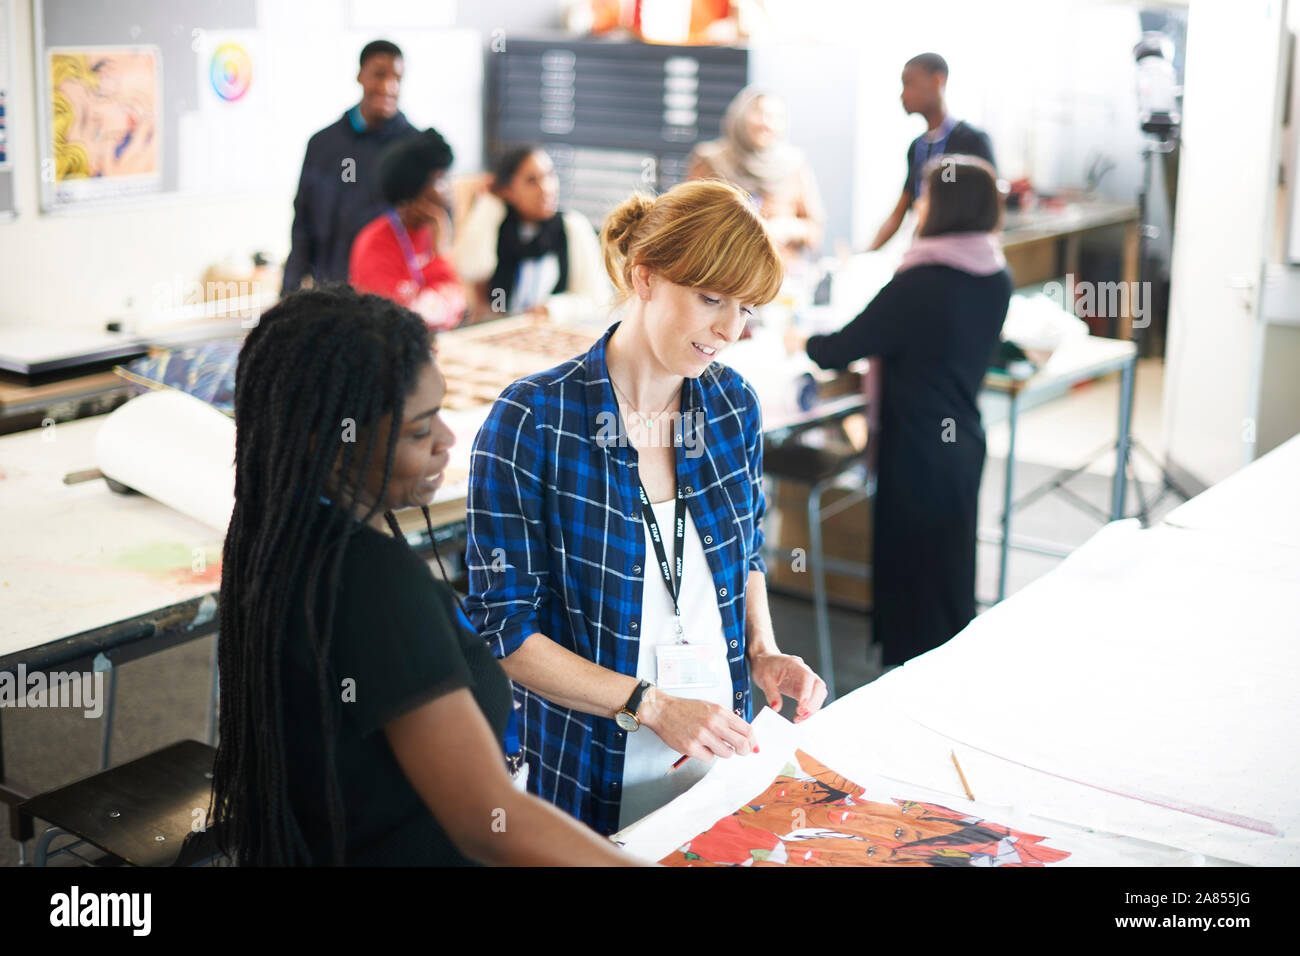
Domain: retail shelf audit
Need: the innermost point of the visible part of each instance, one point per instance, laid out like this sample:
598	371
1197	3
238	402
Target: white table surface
1261	502
1145	689
77	557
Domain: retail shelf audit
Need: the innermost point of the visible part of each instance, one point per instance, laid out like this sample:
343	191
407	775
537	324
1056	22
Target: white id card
520	777
684	665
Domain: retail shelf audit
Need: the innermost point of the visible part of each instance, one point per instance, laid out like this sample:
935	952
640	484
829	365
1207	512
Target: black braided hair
316	361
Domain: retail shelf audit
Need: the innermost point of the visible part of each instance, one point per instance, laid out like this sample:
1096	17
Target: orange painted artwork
812	816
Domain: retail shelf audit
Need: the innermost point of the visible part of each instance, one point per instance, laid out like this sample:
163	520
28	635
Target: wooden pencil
965	785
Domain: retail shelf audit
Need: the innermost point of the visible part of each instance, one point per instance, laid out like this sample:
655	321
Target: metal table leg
106	732
819	589
1122	439
1008	487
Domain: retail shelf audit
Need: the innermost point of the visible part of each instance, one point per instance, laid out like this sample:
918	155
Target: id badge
520	777
684	665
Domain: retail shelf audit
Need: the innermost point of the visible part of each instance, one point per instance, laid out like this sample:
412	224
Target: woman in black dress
362	721
932	330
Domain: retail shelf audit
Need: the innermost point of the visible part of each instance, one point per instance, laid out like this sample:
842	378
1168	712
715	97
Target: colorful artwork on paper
812	816
105	112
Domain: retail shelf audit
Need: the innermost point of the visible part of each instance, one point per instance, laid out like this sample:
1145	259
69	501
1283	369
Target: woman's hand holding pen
778	674
696	728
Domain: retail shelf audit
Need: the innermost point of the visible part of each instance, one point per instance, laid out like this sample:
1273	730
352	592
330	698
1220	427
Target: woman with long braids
361	723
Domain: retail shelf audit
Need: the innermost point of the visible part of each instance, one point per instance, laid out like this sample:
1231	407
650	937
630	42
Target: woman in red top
405	254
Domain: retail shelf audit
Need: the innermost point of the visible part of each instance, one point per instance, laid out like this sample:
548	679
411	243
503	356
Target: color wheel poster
220	140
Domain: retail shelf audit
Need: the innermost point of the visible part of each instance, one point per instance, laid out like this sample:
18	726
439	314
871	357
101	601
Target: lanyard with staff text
673	581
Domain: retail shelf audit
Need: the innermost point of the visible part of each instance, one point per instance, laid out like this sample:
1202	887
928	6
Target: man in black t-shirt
925	78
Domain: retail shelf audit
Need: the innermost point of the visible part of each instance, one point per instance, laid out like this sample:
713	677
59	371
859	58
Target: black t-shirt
398	640
963	139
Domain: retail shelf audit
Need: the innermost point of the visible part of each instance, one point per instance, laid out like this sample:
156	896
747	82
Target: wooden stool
138	813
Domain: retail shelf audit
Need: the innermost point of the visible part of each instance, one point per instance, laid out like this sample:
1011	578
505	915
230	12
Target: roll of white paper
177	450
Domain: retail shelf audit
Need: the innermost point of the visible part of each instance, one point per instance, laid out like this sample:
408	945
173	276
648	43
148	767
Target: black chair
820	467
136	814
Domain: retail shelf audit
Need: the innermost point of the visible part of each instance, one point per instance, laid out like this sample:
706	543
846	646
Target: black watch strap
634	702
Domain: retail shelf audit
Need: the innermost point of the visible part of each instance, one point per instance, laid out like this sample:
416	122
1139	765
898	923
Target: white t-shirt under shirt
536	277
475	251
647	785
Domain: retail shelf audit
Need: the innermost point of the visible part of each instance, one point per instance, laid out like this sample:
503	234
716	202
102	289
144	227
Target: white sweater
475	250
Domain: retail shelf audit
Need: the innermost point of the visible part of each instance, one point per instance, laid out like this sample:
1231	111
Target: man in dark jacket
338	192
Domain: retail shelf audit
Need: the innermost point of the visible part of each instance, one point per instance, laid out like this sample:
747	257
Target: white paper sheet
1159	666
80	556
175	449
1262	501
868	732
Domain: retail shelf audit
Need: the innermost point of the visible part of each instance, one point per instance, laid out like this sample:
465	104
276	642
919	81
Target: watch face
626	721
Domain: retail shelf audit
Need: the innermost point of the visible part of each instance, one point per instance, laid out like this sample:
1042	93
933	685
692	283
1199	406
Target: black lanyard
673	581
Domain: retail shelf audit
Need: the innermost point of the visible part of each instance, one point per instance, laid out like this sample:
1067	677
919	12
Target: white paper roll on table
177	450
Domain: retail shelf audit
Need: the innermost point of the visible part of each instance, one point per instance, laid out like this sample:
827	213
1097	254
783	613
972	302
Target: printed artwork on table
812	816
551	340
480	362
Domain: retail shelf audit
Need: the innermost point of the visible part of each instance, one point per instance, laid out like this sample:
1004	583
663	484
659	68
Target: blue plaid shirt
557	547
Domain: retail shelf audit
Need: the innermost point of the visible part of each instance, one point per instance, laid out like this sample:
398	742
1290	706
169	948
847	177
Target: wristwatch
626	718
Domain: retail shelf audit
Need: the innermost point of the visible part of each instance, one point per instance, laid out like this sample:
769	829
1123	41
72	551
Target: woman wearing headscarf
754	154
930	334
